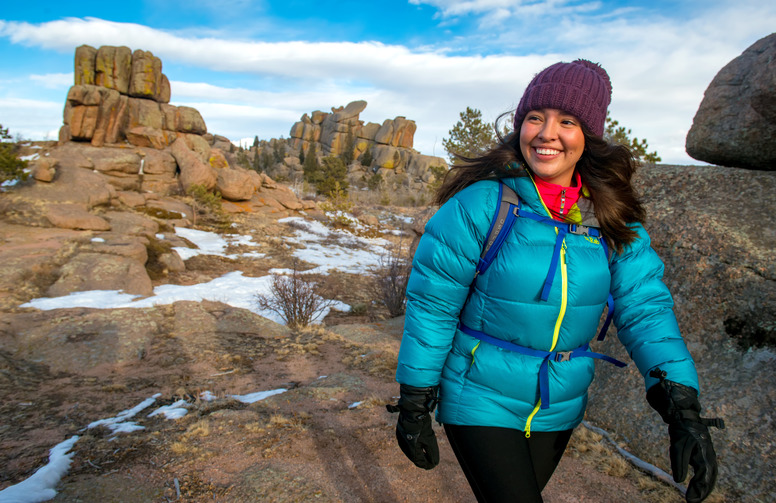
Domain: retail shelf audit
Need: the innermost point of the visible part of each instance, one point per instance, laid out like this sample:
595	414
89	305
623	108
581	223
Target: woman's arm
644	314
443	268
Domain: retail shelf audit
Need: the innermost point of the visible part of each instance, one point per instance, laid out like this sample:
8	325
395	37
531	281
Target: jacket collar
522	182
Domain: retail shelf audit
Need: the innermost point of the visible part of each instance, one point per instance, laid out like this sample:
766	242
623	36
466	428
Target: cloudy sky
253	67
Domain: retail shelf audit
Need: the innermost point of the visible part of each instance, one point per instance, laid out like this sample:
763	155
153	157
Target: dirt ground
328	438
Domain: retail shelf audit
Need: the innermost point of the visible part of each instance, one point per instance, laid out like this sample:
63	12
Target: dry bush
390	279
293	299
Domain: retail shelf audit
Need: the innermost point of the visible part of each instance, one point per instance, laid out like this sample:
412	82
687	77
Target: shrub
375	181
390	279
366	157
293	299
11	167
207	204
332	177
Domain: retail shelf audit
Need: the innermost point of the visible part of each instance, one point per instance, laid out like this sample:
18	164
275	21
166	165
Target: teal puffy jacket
482	384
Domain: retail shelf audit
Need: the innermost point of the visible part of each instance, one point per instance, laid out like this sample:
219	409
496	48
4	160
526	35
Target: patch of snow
258	396
98	240
173	411
119	423
40	485
354	405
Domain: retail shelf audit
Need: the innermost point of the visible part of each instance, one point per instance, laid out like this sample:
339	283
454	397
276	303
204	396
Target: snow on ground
40	485
326	248
335	249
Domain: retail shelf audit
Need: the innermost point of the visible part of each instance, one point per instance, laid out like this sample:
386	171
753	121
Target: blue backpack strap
546	356
500	226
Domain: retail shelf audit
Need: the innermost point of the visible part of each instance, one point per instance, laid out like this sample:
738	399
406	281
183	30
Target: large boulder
98	271
736	122
72	183
719	249
193	170
235	184
75	216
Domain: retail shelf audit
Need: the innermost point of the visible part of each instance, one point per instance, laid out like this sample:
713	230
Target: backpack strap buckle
562	356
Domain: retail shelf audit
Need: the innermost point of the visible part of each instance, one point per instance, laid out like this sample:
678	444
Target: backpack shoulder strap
500	225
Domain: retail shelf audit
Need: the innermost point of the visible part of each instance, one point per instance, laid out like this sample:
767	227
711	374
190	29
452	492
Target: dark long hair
606	169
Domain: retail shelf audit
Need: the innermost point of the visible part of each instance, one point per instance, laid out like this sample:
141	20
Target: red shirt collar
557	198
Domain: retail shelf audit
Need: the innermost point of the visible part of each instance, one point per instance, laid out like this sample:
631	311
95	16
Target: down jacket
482	384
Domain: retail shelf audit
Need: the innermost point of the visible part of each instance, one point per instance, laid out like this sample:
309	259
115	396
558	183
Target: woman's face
552	142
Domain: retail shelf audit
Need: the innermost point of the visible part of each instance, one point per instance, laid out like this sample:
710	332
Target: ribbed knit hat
580	88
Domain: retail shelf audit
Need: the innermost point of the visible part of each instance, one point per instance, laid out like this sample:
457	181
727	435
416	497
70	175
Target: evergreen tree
310	168
366	158
350	146
266	158
256	163
255	142
11	167
332	176
470	136
279	150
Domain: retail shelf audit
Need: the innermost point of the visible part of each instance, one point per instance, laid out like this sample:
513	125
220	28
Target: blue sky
254	67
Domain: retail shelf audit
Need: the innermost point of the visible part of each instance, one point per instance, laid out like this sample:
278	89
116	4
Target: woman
505	355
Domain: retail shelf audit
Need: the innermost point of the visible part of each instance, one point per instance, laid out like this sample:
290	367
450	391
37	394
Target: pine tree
366	157
470	136
11	167
310	168
279	150
332	176
350	146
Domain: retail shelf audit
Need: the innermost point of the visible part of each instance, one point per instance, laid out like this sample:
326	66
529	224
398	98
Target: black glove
691	443
413	429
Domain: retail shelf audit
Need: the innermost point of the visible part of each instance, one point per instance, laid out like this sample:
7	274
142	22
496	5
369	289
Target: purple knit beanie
580	88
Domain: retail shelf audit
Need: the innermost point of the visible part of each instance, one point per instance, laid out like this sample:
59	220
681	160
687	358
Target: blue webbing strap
546	356
609	299
502	222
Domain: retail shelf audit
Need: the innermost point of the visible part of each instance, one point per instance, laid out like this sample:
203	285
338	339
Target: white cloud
53	80
659	68
33	119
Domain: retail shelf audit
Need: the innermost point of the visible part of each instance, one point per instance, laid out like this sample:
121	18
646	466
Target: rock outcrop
383	149
735	124
719	249
123	95
123	158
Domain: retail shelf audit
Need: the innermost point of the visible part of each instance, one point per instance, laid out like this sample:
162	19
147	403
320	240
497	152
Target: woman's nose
549	130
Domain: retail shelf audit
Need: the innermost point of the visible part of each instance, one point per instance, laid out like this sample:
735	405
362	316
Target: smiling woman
498	322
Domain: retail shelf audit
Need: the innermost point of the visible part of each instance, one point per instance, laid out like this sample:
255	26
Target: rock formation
736	122
123	156
389	145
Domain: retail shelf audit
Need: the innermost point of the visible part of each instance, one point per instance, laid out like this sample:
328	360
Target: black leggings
502	465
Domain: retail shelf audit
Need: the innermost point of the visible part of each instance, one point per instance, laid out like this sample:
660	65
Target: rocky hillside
714	229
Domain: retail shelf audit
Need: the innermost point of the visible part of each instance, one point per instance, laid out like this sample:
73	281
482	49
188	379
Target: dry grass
595	451
377	363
